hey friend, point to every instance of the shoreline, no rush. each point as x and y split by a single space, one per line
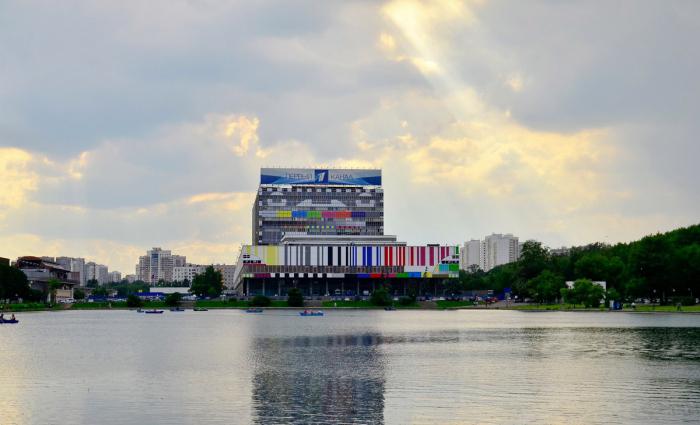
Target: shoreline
672 310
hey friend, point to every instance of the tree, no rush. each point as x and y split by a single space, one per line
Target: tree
133 301
380 297
13 283
453 286
100 292
649 259
533 260
78 294
173 300
592 266
546 287
295 298
585 292
92 283
210 283
636 288
54 285
612 295
502 277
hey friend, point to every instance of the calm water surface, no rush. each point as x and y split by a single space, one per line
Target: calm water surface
228 367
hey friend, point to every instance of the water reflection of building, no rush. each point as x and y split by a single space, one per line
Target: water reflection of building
318 379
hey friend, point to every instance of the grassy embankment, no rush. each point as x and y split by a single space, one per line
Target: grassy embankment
444 305
364 305
640 308
28 307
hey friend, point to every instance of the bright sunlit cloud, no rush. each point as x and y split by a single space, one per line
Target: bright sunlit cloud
495 117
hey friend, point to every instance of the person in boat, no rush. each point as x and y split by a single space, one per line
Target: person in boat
12 317
2 317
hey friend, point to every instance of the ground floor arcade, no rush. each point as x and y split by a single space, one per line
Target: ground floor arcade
347 286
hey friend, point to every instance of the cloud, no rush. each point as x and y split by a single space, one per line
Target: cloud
515 82
124 127
16 177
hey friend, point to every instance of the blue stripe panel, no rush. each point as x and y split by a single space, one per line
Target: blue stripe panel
414 274
363 275
369 260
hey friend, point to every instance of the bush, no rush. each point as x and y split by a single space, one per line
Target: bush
173 300
407 301
260 301
686 301
133 301
36 296
380 297
78 294
295 298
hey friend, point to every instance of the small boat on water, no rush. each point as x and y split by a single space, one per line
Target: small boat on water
200 309
153 311
140 310
254 310
177 309
390 308
310 313
8 321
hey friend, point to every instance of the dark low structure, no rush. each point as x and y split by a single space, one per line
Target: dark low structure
41 272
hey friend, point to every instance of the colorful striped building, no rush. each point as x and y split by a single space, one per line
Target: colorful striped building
322 231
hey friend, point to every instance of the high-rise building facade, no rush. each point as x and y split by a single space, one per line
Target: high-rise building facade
187 272
318 202
228 273
322 231
158 265
115 277
495 250
471 255
102 274
77 265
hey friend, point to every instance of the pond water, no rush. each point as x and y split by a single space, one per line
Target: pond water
400 367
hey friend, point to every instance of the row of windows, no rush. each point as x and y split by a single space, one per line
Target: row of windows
318 189
259 268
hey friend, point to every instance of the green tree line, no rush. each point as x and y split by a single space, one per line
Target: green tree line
663 266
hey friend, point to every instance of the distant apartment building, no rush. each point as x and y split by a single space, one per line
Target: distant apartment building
115 277
560 251
471 255
90 271
495 250
77 265
158 265
500 249
131 278
98 272
228 272
187 272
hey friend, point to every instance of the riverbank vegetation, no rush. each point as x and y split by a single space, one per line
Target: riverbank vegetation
662 267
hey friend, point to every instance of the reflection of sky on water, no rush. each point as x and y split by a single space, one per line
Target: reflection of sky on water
323 379
222 367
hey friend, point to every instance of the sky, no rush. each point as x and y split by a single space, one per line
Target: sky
129 125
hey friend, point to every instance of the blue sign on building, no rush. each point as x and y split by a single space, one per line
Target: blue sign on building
321 176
